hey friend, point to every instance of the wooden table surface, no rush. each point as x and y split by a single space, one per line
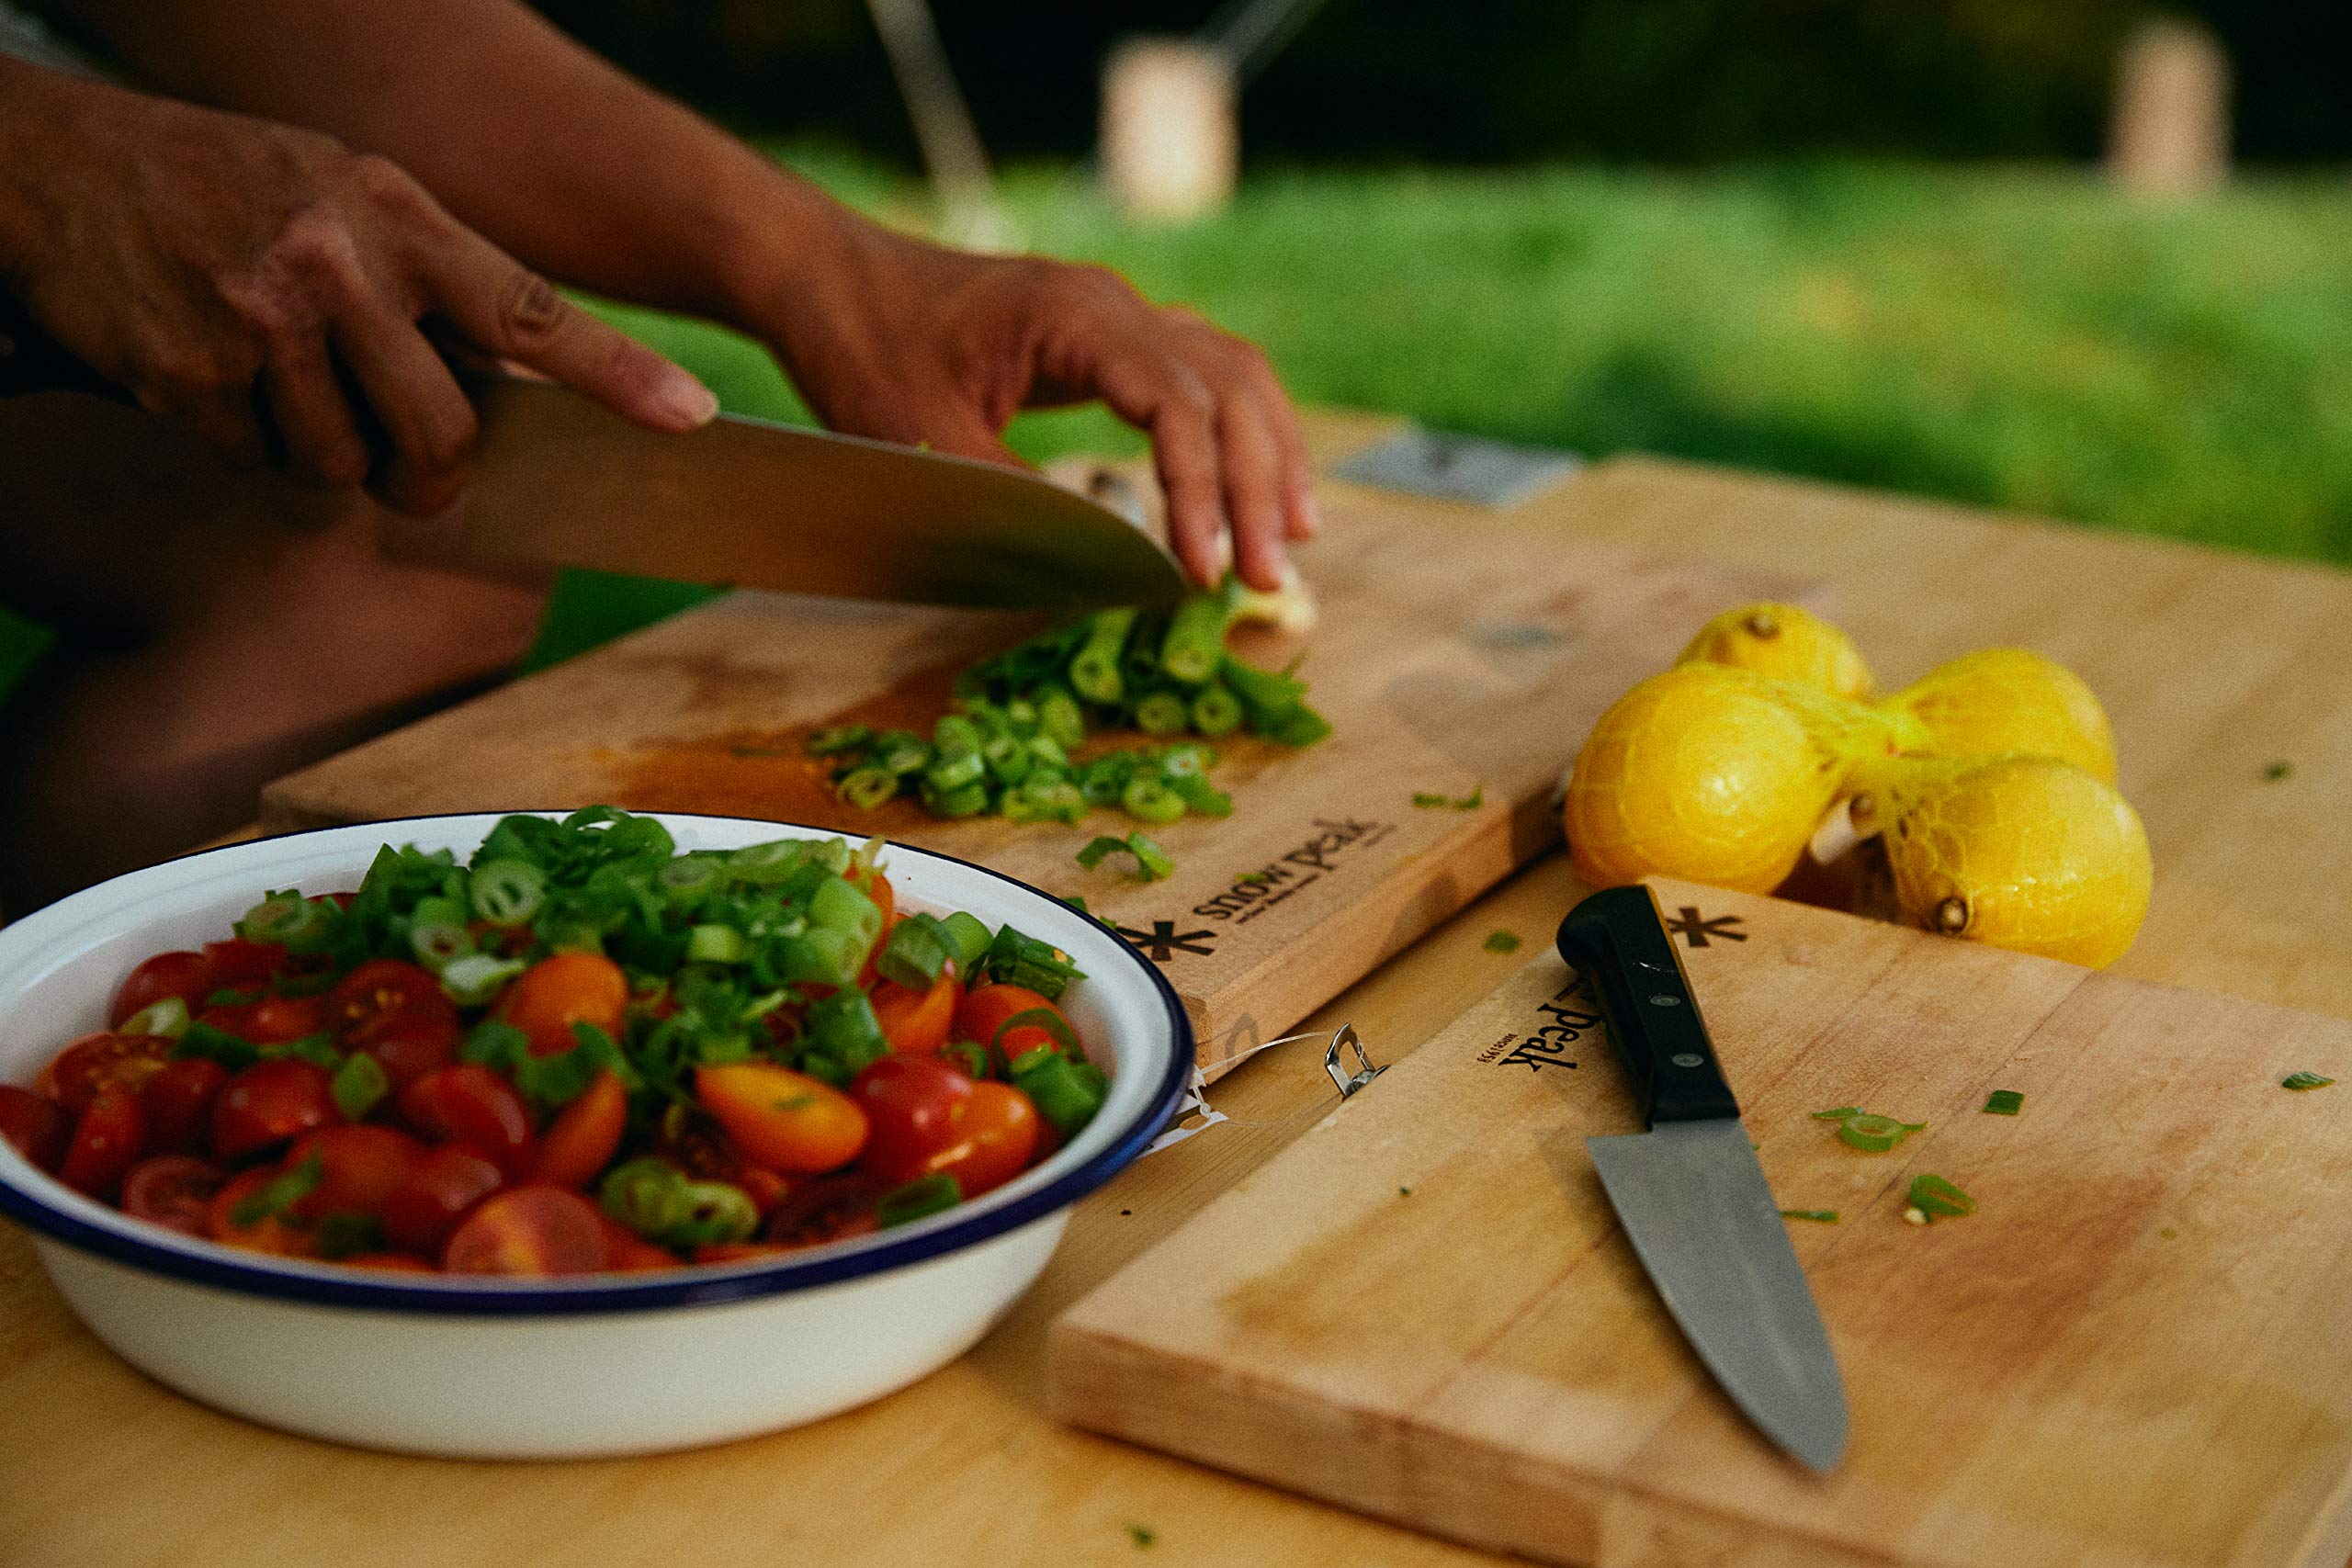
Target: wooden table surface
2214 667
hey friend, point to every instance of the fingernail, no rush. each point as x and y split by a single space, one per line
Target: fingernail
683 402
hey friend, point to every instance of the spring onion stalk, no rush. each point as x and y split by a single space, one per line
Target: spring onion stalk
509 892
2299 1081
476 979
917 1199
1195 639
1148 799
864 789
716 1212
967 936
1018 959
1058 715
358 1085
914 953
165 1019
1199 794
649 1196
1938 1199
1163 713
1151 860
844 1036
1067 1092
1215 710
1095 670
2004 1102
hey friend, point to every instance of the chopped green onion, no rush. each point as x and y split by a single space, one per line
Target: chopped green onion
1470 802
280 1192
166 1017
1195 640
1163 713
647 1195
868 788
2305 1081
919 1199
2004 1102
715 944
1826 1216
287 920
842 1037
232 1052
687 878
767 864
957 770
1215 710
1935 1197
914 953
714 1212
1875 1134
1151 860
476 979
358 1086
1148 800
1060 717
1501 941
494 1043
437 944
1066 1091
316 1049
1045 1018
968 935
955 735
901 751
509 892
968 801
1199 794
1029 962
1094 669
968 1055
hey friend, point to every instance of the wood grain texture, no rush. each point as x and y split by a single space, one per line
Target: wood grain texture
2137 1352
1442 670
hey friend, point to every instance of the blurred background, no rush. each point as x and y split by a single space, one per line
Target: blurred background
2078 257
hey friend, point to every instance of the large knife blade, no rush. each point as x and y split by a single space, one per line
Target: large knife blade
1689 1195
557 478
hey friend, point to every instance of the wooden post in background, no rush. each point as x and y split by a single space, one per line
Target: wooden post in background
1170 146
2170 131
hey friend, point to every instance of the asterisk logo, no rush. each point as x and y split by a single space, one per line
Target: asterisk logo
1163 942
1690 923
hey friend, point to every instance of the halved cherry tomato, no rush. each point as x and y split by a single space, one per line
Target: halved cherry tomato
996 1138
359 1168
625 1252
390 1262
785 1121
106 1141
473 1106
174 1191
267 1103
366 1000
913 1104
183 975
36 1125
564 989
441 1186
917 1021
271 1021
238 964
885 897
98 1061
271 1233
985 1009
528 1230
177 1102
408 1045
583 1139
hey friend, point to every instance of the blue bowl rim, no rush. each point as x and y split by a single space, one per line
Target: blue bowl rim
692 1287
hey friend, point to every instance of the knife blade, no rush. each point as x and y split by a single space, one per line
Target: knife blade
1689 1195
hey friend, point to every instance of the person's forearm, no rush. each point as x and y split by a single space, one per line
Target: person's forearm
552 154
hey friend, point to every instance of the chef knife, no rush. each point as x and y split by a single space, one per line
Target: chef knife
1689 1195
559 479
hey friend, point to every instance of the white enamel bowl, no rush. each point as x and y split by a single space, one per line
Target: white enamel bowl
548 1369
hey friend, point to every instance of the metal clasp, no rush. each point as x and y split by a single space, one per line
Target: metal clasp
1365 1072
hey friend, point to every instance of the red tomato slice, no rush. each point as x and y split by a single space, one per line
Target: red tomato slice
785 1121
176 1190
268 1234
473 1106
272 1020
585 1134
528 1230
985 1009
106 1141
366 1000
359 1168
177 1102
98 1061
564 989
918 1021
441 1186
626 1252
267 1103
183 975
913 1104
238 964
408 1045
36 1125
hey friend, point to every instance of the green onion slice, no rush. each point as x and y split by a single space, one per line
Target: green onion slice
166 1017
1873 1133
2303 1081
647 1195
713 1213
280 1192
1826 1216
2004 1102
1936 1198
358 1086
919 1199
1501 941
507 892
476 979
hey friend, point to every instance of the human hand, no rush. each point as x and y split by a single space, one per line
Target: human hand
271 289
909 342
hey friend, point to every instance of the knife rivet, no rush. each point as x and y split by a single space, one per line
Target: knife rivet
1687 1060
1664 1001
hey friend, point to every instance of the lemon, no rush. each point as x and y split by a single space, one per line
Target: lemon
1713 775
2026 852
1787 642
2010 699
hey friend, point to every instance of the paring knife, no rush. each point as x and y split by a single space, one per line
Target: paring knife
1690 1193
559 479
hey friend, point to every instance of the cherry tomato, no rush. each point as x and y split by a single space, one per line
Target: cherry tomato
528 1230
918 1021
272 1020
914 1103
175 1190
785 1121
407 1046
177 1102
995 1139
98 1061
266 1104
564 989
238 964
364 1002
36 1125
359 1168
183 975
985 1009
885 897
585 1135
390 1262
271 1233
441 1186
473 1106
626 1252
106 1142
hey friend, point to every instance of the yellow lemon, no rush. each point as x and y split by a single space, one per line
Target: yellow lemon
1787 642
2026 852
2010 699
1711 774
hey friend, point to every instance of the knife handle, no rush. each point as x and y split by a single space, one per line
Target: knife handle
32 361
1617 939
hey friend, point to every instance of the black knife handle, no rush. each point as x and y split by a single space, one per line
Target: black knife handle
1616 938
32 361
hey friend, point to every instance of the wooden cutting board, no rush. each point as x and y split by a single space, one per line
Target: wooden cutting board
2137 1351
1446 661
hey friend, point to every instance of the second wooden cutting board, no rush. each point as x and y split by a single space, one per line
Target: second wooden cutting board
1467 663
